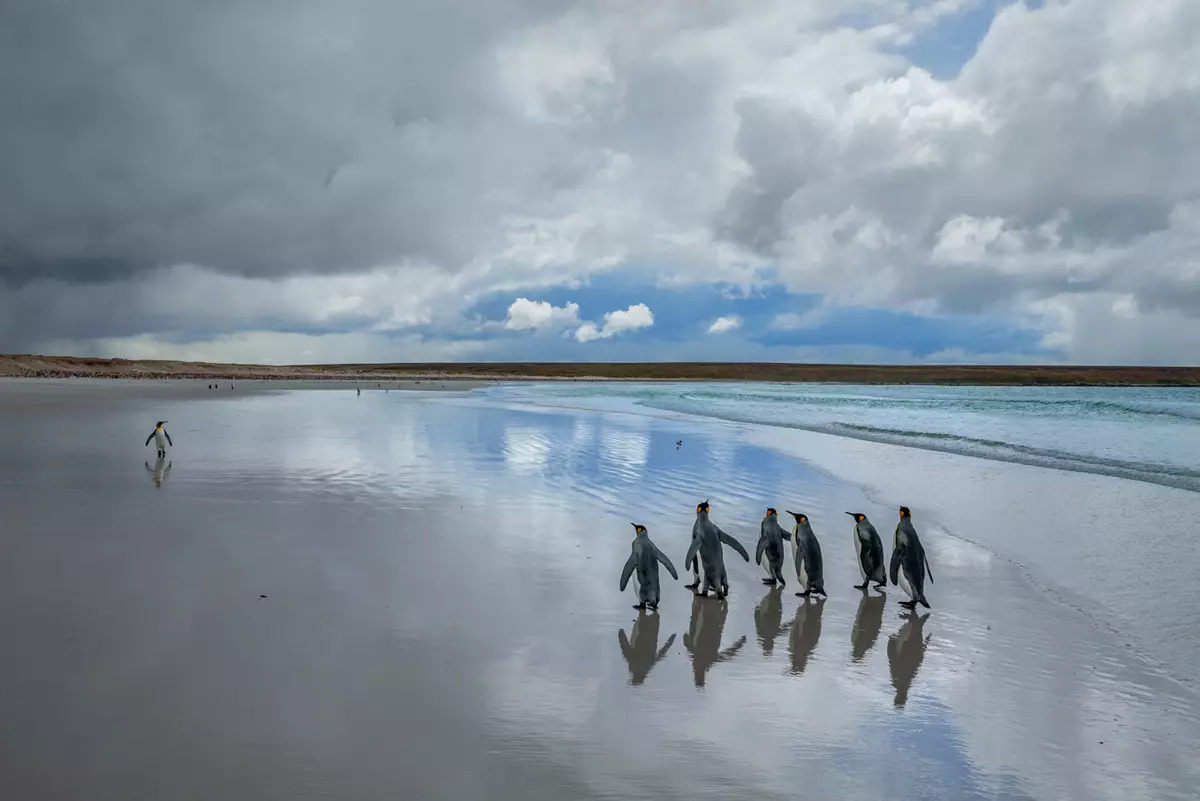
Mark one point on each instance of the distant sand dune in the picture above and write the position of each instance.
(69, 367)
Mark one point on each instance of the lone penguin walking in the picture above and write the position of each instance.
(161, 438)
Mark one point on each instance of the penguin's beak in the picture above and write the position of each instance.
(851, 514)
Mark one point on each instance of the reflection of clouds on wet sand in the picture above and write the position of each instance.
(526, 448)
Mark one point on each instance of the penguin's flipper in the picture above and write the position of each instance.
(732, 543)
(626, 572)
(168, 436)
(663, 651)
(731, 651)
(666, 562)
(928, 570)
(894, 568)
(758, 552)
(149, 438)
(689, 561)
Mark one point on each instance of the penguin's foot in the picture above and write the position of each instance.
(653, 606)
(908, 604)
(721, 595)
(862, 586)
(804, 594)
(768, 581)
(639, 606)
(880, 587)
(693, 585)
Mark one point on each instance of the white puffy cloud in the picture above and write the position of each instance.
(1051, 181)
(526, 315)
(622, 321)
(723, 325)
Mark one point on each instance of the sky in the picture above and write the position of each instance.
(887, 181)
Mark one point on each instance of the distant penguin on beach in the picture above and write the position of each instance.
(161, 438)
(909, 563)
(770, 545)
(868, 553)
(806, 551)
(707, 539)
(642, 565)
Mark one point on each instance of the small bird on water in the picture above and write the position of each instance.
(161, 438)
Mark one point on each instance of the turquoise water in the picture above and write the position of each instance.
(1142, 434)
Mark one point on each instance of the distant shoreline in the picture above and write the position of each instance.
(32, 366)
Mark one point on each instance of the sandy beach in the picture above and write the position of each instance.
(414, 595)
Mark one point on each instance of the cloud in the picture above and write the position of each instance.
(723, 325)
(846, 150)
(622, 321)
(526, 315)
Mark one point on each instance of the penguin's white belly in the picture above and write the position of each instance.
(858, 556)
(160, 439)
(802, 574)
(902, 578)
(793, 542)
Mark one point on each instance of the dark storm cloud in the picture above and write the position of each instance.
(257, 138)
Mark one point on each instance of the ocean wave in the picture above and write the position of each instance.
(943, 442)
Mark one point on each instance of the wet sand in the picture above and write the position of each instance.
(441, 620)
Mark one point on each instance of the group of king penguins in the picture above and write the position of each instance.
(908, 568)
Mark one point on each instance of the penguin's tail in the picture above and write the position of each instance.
(924, 603)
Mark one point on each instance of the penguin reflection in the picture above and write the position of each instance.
(906, 650)
(641, 650)
(806, 630)
(768, 619)
(158, 471)
(703, 638)
(868, 620)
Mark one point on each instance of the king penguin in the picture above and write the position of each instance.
(643, 560)
(807, 554)
(707, 538)
(909, 563)
(868, 552)
(161, 438)
(770, 544)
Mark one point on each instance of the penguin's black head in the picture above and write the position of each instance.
(702, 507)
(800, 517)
(160, 424)
(638, 528)
(904, 512)
(771, 512)
(858, 516)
